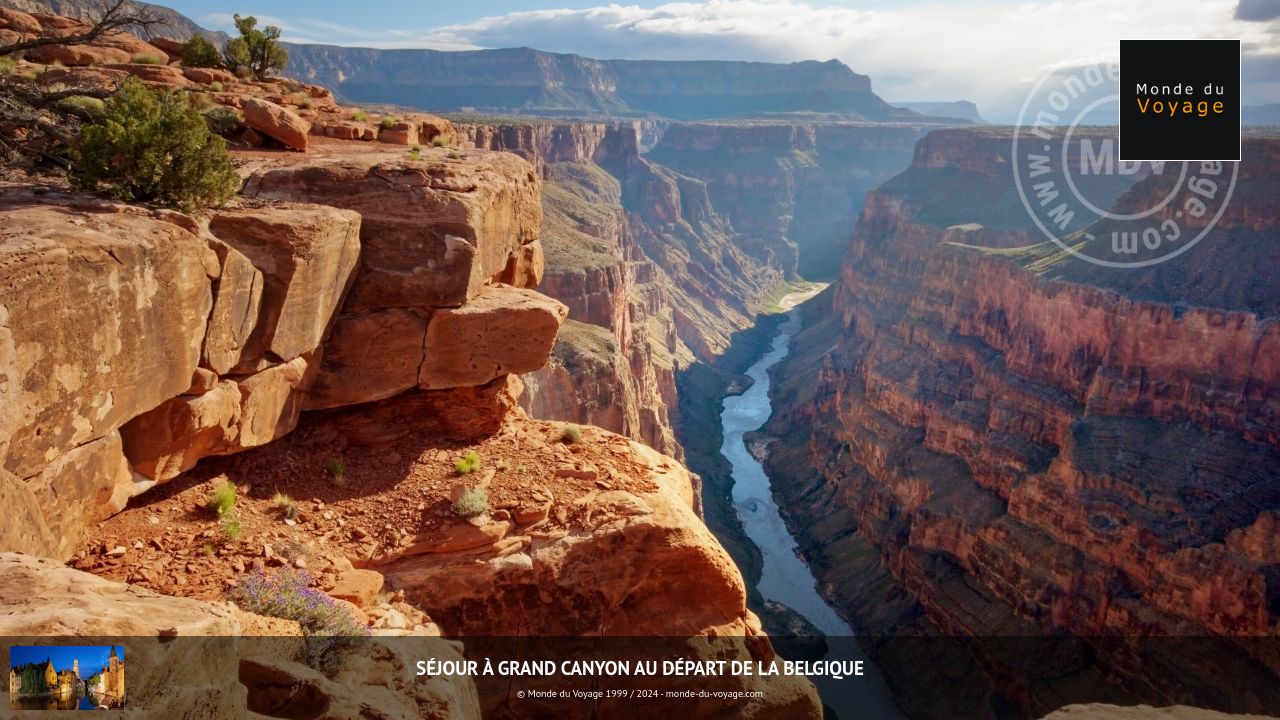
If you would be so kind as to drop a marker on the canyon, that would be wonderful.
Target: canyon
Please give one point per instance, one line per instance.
(1023, 481)
(992, 451)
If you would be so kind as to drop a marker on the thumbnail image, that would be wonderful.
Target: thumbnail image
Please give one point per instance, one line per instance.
(73, 677)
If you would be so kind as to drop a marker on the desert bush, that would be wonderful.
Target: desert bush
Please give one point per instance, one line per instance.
(387, 123)
(329, 629)
(468, 463)
(257, 51)
(231, 529)
(359, 116)
(223, 121)
(222, 501)
(88, 105)
(337, 469)
(199, 52)
(153, 146)
(7, 65)
(415, 153)
(472, 503)
(440, 141)
(454, 155)
(305, 104)
(570, 434)
(148, 59)
(287, 506)
(202, 101)
(217, 86)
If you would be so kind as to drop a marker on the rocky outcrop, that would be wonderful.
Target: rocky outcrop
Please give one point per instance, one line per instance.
(1028, 449)
(276, 122)
(180, 340)
(420, 309)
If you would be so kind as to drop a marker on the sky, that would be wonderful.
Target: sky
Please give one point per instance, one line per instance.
(986, 51)
(92, 658)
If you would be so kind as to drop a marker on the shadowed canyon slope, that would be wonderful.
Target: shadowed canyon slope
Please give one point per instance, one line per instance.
(983, 438)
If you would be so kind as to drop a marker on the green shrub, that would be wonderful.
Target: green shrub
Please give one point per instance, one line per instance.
(153, 146)
(7, 64)
(148, 59)
(359, 116)
(440, 141)
(471, 503)
(570, 434)
(208, 550)
(200, 53)
(415, 153)
(231, 529)
(89, 105)
(328, 628)
(454, 155)
(222, 501)
(306, 104)
(223, 120)
(286, 505)
(202, 101)
(217, 86)
(387, 123)
(337, 469)
(468, 463)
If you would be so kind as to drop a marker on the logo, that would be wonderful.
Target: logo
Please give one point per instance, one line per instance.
(1085, 199)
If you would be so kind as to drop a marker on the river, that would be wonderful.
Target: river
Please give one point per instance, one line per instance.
(785, 577)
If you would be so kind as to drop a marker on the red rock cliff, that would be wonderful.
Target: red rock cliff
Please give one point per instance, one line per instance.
(1026, 448)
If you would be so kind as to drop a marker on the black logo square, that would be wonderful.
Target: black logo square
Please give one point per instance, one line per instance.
(1179, 100)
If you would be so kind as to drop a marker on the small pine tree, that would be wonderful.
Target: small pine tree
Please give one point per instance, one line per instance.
(200, 53)
(257, 51)
(153, 146)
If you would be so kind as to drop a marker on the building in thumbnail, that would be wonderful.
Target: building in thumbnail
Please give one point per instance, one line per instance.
(111, 682)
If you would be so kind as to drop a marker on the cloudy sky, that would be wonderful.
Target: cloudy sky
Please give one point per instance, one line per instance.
(987, 51)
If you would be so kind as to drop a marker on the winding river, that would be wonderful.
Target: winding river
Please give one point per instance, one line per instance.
(785, 577)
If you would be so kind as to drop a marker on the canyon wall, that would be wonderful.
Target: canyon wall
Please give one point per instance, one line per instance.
(793, 190)
(651, 272)
(985, 441)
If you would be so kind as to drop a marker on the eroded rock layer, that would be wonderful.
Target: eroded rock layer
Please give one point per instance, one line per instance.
(984, 438)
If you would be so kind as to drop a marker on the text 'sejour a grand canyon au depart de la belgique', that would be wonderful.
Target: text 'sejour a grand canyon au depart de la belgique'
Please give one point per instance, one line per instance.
(759, 359)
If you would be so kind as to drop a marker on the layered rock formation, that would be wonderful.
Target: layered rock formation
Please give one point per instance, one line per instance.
(985, 438)
(791, 190)
(170, 340)
(649, 270)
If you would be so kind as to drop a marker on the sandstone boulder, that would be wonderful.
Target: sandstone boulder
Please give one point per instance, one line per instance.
(233, 416)
(184, 677)
(357, 587)
(81, 488)
(85, 77)
(79, 55)
(18, 22)
(236, 305)
(272, 120)
(24, 529)
(430, 237)
(402, 133)
(369, 356)
(102, 318)
(169, 45)
(525, 266)
(503, 330)
(208, 76)
(164, 76)
(306, 255)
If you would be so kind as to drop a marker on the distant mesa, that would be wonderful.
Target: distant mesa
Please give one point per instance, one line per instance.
(958, 109)
(1261, 114)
